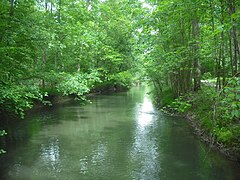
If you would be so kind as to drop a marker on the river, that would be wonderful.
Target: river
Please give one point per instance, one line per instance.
(118, 136)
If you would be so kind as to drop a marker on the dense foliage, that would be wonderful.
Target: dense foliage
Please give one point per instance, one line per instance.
(62, 46)
(192, 58)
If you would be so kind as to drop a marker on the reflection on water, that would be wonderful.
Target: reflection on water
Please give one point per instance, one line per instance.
(99, 155)
(50, 154)
(83, 165)
(144, 150)
(144, 113)
(118, 136)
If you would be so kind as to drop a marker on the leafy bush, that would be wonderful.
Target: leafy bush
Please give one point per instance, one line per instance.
(114, 82)
(219, 112)
(206, 75)
(166, 96)
(227, 114)
(224, 135)
(203, 106)
(122, 79)
(77, 84)
(18, 98)
(229, 101)
(180, 105)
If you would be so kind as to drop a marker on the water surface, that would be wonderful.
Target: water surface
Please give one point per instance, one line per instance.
(119, 136)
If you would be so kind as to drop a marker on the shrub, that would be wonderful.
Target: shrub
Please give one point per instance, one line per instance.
(18, 98)
(77, 84)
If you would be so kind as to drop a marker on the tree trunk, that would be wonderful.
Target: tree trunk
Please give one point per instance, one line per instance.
(11, 7)
(214, 54)
(236, 55)
(218, 65)
(236, 50)
(222, 50)
(230, 52)
(44, 58)
(223, 61)
(196, 62)
(56, 59)
(59, 11)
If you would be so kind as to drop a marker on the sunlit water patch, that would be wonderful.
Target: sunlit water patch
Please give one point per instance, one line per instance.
(144, 150)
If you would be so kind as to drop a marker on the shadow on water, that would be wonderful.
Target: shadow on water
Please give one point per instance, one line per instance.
(117, 136)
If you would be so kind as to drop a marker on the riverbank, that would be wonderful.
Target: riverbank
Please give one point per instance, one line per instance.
(213, 114)
(204, 135)
(229, 152)
(211, 117)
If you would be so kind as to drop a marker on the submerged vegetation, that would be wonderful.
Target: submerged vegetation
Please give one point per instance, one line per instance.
(189, 50)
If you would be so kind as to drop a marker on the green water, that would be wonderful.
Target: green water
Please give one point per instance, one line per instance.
(118, 136)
